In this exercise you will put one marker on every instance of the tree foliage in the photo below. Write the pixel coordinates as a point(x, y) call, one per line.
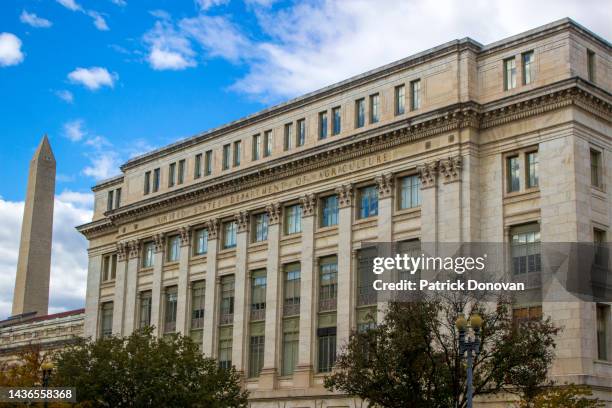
point(565, 396)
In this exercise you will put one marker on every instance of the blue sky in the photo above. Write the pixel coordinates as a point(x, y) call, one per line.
point(110, 79)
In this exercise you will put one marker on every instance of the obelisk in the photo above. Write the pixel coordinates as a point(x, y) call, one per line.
point(34, 263)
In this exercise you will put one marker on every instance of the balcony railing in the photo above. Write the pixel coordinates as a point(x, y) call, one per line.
point(226, 318)
point(327, 304)
point(291, 309)
point(368, 297)
point(258, 314)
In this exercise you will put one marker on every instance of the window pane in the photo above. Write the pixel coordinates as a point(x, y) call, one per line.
point(525, 249)
point(293, 219)
point(261, 227)
point(329, 214)
point(229, 234)
point(532, 169)
point(337, 121)
point(170, 310)
point(256, 355)
point(400, 99)
point(291, 303)
point(513, 174)
point(415, 89)
point(198, 290)
point(301, 136)
point(145, 309)
point(268, 142)
point(328, 285)
point(368, 202)
point(374, 108)
point(288, 136)
point(410, 192)
point(510, 73)
point(360, 113)
point(528, 68)
point(322, 125)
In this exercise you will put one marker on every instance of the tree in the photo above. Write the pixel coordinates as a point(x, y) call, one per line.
point(25, 371)
point(565, 396)
point(145, 371)
point(412, 358)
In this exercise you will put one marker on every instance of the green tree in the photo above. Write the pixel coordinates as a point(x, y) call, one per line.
point(145, 371)
point(565, 396)
point(411, 358)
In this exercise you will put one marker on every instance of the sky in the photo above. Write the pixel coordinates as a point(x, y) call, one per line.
point(107, 80)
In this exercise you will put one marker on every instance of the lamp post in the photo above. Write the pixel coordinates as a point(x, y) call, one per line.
point(469, 344)
point(46, 368)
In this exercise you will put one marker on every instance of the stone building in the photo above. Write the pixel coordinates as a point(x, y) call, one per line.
point(247, 237)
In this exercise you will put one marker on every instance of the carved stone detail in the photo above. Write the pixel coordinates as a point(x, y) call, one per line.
point(185, 233)
point(122, 250)
point(428, 173)
point(385, 185)
point(242, 221)
point(133, 248)
point(158, 242)
point(345, 195)
point(451, 168)
point(309, 205)
point(274, 213)
point(213, 228)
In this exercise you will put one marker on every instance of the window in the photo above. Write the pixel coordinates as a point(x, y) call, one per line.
point(201, 241)
point(225, 347)
point(359, 113)
point(256, 147)
point(288, 136)
point(531, 164)
point(109, 200)
point(591, 65)
point(208, 158)
point(366, 295)
point(512, 174)
point(603, 331)
point(525, 314)
point(117, 197)
point(174, 247)
point(147, 182)
point(329, 211)
point(600, 247)
point(229, 234)
point(291, 290)
point(337, 118)
point(258, 295)
point(410, 192)
point(326, 348)
point(596, 179)
point(109, 267)
point(374, 108)
point(181, 171)
point(322, 125)
point(156, 179)
point(171, 174)
point(368, 202)
point(415, 93)
point(106, 320)
point(148, 251)
point(509, 73)
point(400, 99)
point(170, 310)
point(197, 166)
point(528, 69)
point(144, 315)
point(256, 355)
point(226, 156)
point(260, 232)
point(237, 153)
point(227, 300)
point(301, 129)
point(328, 284)
point(525, 249)
point(268, 143)
point(198, 292)
point(291, 342)
point(293, 219)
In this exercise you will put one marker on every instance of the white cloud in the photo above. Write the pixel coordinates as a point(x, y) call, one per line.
point(99, 21)
point(65, 95)
point(70, 5)
point(168, 49)
point(218, 36)
point(104, 164)
point(93, 78)
point(73, 130)
point(207, 4)
point(33, 20)
point(120, 3)
point(10, 50)
point(68, 254)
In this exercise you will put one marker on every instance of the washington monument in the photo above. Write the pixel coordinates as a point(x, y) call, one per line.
point(34, 264)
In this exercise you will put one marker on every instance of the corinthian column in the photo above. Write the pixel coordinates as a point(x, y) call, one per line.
point(183, 281)
point(156, 292)
point(131, 289)
point(344, 315)
point(119, 299)
point(385, 226)
point(240, 288)
point(211, 331)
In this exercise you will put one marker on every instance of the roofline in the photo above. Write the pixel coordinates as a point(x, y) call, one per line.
point(108, 182)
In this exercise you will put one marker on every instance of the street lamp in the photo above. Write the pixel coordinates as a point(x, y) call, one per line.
point(46, 368)
point(471, 345)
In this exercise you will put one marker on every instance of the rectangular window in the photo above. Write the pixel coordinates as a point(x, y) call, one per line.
point(200, 241)
point(156, 179)
point(603, 331)
point(225, 347)
point(256, 355)
point(329, 211)
point(197, 166)
point(596, 179)
point(106, 320)
point(198, 292)
point(410, 192)
point(109, 267)
point(525, 249)
point(260, 230)
point(293, 219)
point(374, 108)
point(268, 143)
point(328, 284)
point(227, 300)
point(509, 73)
point(227, 151)
point(322, 125)
point(326, 349)
point(337, 118)
point(415, 93)
point(525, 314)
point(591, 65)
point(109, 200)
point(366, 295)
point(237, 153)
point(148, 251)
point(531, 164)
point(288, 136)
point(208, 158)
point(144, 315)
point(512, 174)
point(291, 290)
point(174, 248)
point(170, 303)
point(291, 341)
point(171, 174)
point(258, 295)
point(600, 247)
point(229, 234)
point(301, 132)
point(256, 147)
point(368, 202)
point(360, 113)
point(147, 182)
point(117, 197)
point(528, 68)
point(181, 171)
point(400, 100)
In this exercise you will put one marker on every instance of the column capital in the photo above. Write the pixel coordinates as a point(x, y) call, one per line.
point(428, 174)
point(450, 169)
point(185, 233)
point(242, 220)
point(158, 242)
point(345, 195)
point(122, 250)
point(133, 248)
point(309, 204)
point(212, 226)
point(274, 213)
point(384, 183)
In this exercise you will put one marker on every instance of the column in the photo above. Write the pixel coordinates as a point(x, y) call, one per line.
point(345, 275)
point(210, 307)
point(120, 283)
point(92, 298)
point(385, 229)
point(131, 289)
point(240, 308)
point(267, 378)
point(182, 301)
point(450, 199)
point(156, 292)
point(428, 174)
point(302, 376)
